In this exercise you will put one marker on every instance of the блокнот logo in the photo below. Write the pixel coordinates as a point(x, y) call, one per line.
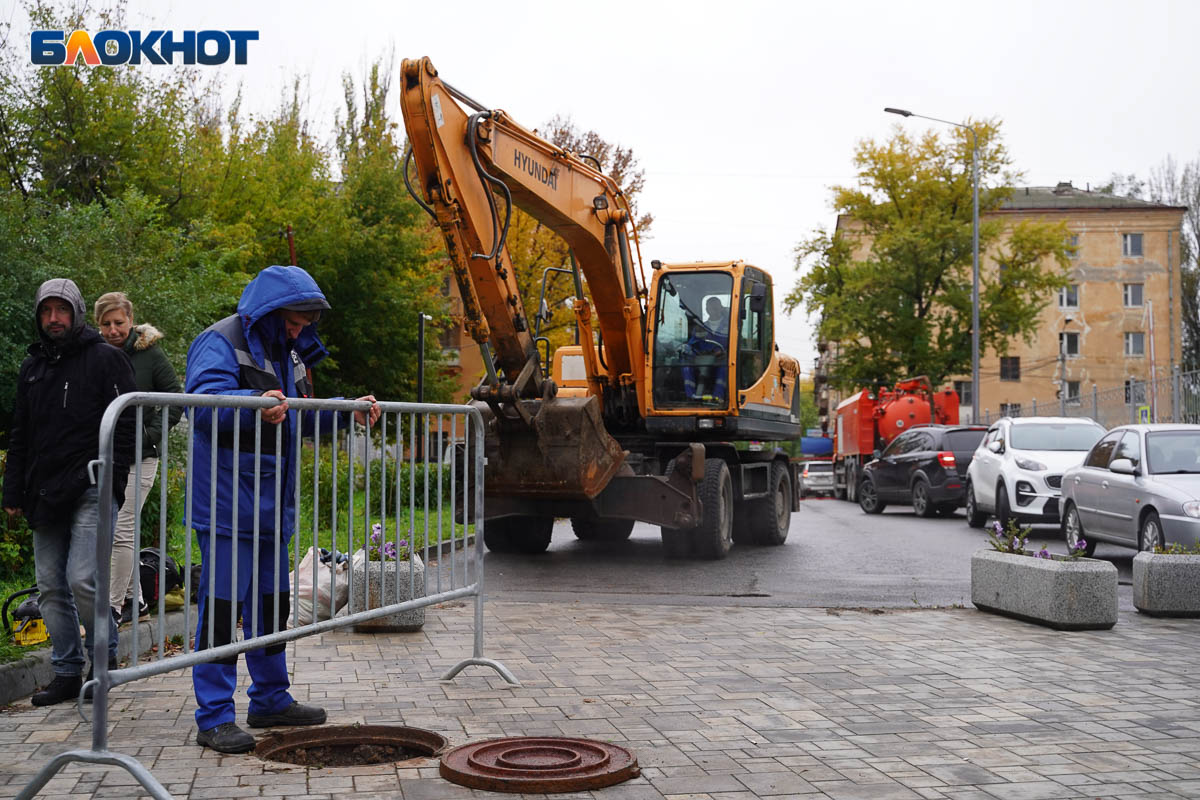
point(55, 48)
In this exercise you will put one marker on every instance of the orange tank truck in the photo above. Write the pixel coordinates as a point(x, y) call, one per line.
point(868, 421)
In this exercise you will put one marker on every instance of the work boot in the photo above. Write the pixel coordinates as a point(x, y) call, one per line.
point(226, 738)
point(62, 688)
point(87, 693)
point(295, 714)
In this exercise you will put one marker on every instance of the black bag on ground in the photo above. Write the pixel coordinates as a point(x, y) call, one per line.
point(148, 575)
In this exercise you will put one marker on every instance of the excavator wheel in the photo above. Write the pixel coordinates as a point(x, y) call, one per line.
point(714, 536)
point(743, 522)
point(526, 535)
point(771, 516)
point(676, 543)
point(601, 530)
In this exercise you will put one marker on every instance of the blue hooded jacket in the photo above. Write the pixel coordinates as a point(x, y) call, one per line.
point(213, 368)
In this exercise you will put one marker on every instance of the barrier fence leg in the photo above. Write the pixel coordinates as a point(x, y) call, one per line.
point(477, 656)
point(128, 763)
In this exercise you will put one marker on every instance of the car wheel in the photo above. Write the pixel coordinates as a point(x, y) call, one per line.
point(868, 498)
point(1150, 536)
point(1072, 529)
point(975, 517)
point(1003, 512)
point(922, 505)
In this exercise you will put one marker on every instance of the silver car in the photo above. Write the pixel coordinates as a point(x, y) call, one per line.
point(816, 477)
point(1139, 486)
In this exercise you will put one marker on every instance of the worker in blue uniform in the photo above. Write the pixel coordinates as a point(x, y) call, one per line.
point(707, 344)
point(266, 349)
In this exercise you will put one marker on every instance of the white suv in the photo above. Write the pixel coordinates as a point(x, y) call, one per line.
point(1016, 472)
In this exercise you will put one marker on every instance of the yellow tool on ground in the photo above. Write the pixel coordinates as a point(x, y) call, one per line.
point(27, 626)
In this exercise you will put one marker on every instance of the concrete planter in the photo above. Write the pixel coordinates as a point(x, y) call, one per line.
point(374, 586)
point(1067, 594)
point(1166, 585)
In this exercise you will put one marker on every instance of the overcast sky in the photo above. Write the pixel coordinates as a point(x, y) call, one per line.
point(743, 113)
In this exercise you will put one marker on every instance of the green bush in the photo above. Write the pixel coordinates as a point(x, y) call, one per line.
point(378, 471)
point(16, 542)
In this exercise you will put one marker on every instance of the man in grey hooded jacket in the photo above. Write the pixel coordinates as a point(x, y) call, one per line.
point(66, 382)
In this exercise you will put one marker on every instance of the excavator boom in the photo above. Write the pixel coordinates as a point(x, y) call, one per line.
point(544, 446)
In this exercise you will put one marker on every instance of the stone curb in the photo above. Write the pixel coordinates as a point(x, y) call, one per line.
point(19, 679)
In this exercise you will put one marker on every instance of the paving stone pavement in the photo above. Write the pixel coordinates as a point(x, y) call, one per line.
point(725, 703)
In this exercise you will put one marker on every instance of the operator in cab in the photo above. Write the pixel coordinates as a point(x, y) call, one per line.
point(707, 376)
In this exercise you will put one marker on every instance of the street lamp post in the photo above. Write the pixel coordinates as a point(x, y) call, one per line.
point(974, 252)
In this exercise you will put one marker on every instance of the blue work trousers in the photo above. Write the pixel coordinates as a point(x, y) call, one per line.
point(233, 597)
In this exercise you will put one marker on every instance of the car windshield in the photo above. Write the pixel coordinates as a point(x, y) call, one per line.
point(959, 441)
point(1173, 452)
point(819, 467)
point(1055, 436)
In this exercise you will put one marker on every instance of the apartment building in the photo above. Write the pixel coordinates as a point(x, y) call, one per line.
point(1116, 324)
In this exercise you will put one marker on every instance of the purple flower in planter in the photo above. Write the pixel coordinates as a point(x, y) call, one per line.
point(1043, 553)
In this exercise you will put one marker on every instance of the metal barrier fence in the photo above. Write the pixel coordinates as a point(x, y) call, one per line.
point(333, 517)
point(1173, 398)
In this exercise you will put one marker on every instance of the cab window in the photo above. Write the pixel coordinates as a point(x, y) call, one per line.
point(755, 333)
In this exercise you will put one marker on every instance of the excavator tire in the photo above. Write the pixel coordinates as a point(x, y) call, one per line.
point(714, 536)
point(771, 516)
point(676, 543)
point(601, 530)
point(526, 535)
point(743, 522)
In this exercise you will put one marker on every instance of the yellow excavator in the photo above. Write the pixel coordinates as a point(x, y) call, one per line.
point(639, 421)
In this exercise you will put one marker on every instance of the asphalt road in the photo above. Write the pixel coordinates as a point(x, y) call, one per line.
point(835, 557)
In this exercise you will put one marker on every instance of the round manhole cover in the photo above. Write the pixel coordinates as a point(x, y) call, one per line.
point(544, 765)
point(349, 745)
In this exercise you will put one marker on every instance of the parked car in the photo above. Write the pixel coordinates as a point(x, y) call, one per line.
point(1139, 486)
point(1017, 471)
point(923, 466)
point(816, 477)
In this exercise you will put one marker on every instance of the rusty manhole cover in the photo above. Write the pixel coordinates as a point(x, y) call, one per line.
point(542, 764)
point(349, 745)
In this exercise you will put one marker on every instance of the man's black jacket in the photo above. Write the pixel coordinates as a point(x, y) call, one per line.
point(61, 397)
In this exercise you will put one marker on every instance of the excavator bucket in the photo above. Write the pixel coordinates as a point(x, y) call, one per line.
point(566, 454)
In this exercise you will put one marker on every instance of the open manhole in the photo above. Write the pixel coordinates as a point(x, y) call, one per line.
point(543, 765)
point(349, 745)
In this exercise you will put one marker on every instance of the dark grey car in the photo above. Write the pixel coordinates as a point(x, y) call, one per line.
point(1139, 486)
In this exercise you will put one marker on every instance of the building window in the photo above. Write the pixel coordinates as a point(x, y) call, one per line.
point(1135, 392)
point(1068, 343)
point(1072, 393)
point(1135, 343)
point(1010, 368)
point(1068, 296)
point(1010, 409)
point(1073, 246)
point(1131, 245)
point(1132, 294)
point(963, 390)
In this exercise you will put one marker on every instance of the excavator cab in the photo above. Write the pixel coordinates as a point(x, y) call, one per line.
point(691, 341)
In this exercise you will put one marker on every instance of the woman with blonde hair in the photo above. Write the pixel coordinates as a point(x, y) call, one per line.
point(152, 373)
